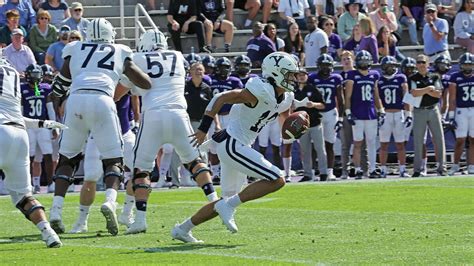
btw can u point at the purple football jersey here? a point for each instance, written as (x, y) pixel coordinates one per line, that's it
(445, 81)
(35, 106)
(362, 100)
(464, 89)
(246, 79)
(327, 87)
(391, 91)
(219, 86)
(123, 109)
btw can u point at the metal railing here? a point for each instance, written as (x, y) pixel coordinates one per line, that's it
(139, 28)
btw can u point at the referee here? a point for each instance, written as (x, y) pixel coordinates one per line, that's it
(428, 86)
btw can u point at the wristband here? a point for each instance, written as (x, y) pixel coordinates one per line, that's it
(206, 122)
(348, 112)
(451, 114)
(407, 113)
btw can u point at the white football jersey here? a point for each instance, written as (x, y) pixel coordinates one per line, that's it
(96, 66)
(166, 71)
(10, 96)
(246, 122)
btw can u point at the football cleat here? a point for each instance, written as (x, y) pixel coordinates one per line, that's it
(287, 179)
(108, 210)
(126, 219)
(454, 169)
(404, 174)
(139, 226)
(161, 182)
(359, 175)
(79, 228)
(226, 212)
(186, 237)
(331, 177)
(374, 174)
(56, 221)
(51, 238)
(36, 190)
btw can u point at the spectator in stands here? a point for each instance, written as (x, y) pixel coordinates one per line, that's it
(316, 42)
(386, 42)
(182, 17)
(369, 40)
(75, 35)
(58, 9)
(332, 8)
(54, 53)
(36, 4)
(349, 19)
(13, 18)
(270, 31)
(42, 35)
(412, 14)
(25, 10)
(393, 6)
(252, 6)
(446, 9)
(382, 16)
(259, 46)
(294, 41)
(435, 33)
(76, 21)
(294, 11)
(211, 13)
(19, 55)
(427, 115)
(464, 26)
(335, 43)
(353, 44)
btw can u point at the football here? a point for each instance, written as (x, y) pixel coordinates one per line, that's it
(295, 125)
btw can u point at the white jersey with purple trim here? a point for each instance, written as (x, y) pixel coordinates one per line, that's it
(246, 122)
(167, 73)
(10, 96)
(96, 66)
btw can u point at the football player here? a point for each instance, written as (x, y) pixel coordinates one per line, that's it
(209, 63)
(392, 87)
(48, 73)
(92, 70)
(221, 82)
(164, 120)
(34, 101)
(14, 156)
(242, 67)
(256, 105)
(441, 66)
(364, 110)
(461, 110)
(329, 85)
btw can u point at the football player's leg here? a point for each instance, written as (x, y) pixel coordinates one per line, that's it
(275, 140)
(329, 122)
(470, 168)
(263, 139)
(385, 132)
(165, 163)
(462, 121)
(46, 146)
(399, 137)
(214, 159)
(190, 156)
(286, 154)
(358, 138)
(126, 217)
(370, 132)
(346, 143)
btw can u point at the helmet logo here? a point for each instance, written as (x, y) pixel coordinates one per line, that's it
(277, 59)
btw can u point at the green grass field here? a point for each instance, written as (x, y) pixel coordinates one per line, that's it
(393, 221)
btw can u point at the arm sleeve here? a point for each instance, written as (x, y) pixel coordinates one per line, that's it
(459, 30)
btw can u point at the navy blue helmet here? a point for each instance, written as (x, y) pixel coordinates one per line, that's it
(442, 64)
(389, 65)
(193, 58)
(33, 73)
(466, 63)
(363, 60)
(325, 64)
(223, 68)
(48, 73)
(209, 61)
(408, 66)
(242, 64)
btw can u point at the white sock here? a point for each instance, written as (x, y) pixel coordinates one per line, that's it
(330, 171)
(212, 197)
(187, 225)
(248, 22)
(128, 204)
(43, 225)
(141, 216)
(358, 169)
(216, 170)
(83, 213)
(402, 168)
(424, 163)
(234, 201)
(111, 195)
(287, 165)
(384, 169)
(36, 181)
(58, 202)
(165, 163)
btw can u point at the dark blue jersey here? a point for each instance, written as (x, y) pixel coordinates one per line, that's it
(218, 86)
(391, 91)
(35, 106)
(362, 99)
(464, 89)
(327, 87)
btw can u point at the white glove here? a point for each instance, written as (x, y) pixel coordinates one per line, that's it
(302, 103)
(53, 124)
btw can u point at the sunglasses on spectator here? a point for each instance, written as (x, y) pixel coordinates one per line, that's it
(430, 11)
(74, 38)
(329, 24)
(421, 62)
(78, 10)
(44, 18)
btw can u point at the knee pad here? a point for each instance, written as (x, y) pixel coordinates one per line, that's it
(139, 175)
(22, 203)
(200, 170)
(70, 162)
(113, 167)
(193, 164)
(69, 179)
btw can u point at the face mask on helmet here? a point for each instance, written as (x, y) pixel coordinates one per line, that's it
(389, 70)
(325, 70)
(242, 69)
(222, 72)
(290, 79)
(442, 67)
(34, 76)
(466, 69)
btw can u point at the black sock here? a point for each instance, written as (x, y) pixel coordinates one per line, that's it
(141, 205)
(208, 188)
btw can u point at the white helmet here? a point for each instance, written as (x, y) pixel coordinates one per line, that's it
(280, 66)
(152, 40)
(100, 30)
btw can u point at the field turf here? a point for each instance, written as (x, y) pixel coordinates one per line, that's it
(428, 221)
